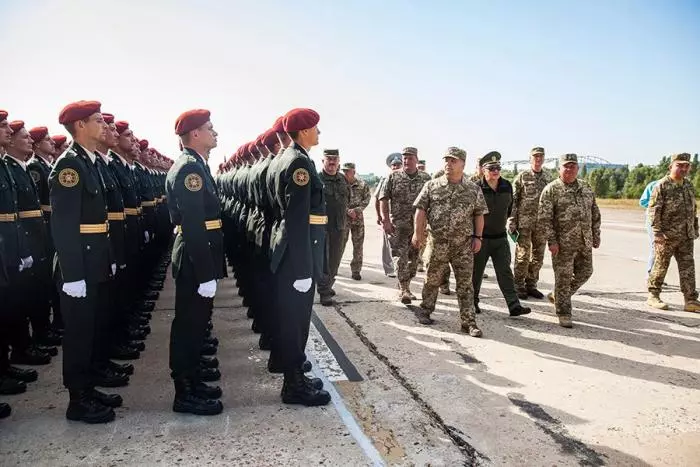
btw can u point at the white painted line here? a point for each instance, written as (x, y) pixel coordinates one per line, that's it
(322, 354)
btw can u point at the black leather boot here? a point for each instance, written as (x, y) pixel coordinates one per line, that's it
(208, 349)
(124, 368)
(208, 374)
(208, 362)
(208, 392)
(265, 342)
(211, 340)
(83, 407)
(5, 410)
(122, 352)
(20, 374)
(187, 400)
(107, 378)
(109, 400)
(10, 386)
(295, 390)
(31, 356)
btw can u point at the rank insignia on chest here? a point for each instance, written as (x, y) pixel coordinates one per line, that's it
(36, 176)
(193, 182)
(301, 177)
(68, 178)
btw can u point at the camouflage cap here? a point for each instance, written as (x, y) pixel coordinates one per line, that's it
(683, 158)
(421, 162)
(409, 151)
(349, 165)
(331, 153)
(455, 153)
(492, 158)
(568, 158)
(394, 158)
(537, 150)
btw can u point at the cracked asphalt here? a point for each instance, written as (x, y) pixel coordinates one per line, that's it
(620, 388)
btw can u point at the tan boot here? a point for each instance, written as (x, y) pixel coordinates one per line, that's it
(405, 297)
(471, 329)
(550, 297)
(565, 321)
(655, 302)
(445, 289)
(692, 306)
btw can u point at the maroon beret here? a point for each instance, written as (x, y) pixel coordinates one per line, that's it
(122, 126)
(108, 118)
(143, 144)
(3, 115)
(250, 148)
(59, 139)
(259, 141)
(270, 138)
(16, 125)
(38, 133)
(191, 120)
(78, 111)
(278, 125)
(300, 119)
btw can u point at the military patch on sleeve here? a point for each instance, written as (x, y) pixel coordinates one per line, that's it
(301, 177)
(36, 176)
(68, 178)
(193, 182)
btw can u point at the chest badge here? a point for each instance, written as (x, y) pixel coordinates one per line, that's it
(36, 176)
(193, 182)
(68, 178)
(301, 177)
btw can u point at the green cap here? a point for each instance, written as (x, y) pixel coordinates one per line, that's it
(349, 165)
(537, 150)
(331, 152)
(492, 158)
(568, 158)
(421, 162)
(409, 151)
(682, 157)
(455, 153)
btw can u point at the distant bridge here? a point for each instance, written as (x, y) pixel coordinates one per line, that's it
(591, 162)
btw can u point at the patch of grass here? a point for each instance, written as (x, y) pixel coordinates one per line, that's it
(619, 203)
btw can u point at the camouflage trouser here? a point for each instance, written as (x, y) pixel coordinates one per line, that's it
(682, 250)
(405, 255)
(441, 254)
(529, 255)
(421, 253)
(572, 268)
(357, 232)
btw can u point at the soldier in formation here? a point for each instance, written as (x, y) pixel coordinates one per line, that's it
(570, 221)
(522, 224)
(674, 221)
(355, 229)
(455, 209)
(397, 196)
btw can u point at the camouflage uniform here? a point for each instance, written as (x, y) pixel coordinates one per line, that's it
(569, 216)
(673, 213)
(529, 251)
(450, 210)
(359, 200)
(401, 189)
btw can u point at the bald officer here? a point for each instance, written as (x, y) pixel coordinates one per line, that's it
(198, 260)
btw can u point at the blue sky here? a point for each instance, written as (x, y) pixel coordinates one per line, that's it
(618, 80)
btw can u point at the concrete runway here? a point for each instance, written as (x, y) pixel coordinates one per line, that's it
(620, 388)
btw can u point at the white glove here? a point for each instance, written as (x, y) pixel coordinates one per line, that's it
(146, 236)
(302, 285)
(510, 226)
(123, 266)
(75, 289)
(114, 269)
(207, 289)
(26, 263)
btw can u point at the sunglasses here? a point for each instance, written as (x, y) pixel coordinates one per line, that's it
(495, 168)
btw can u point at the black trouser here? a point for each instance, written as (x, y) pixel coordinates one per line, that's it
(119, 301)
(38, 300)
(265, 297)
(5, 330)
(84, 319)
(291, 319)
(192, 313)
(499, 251)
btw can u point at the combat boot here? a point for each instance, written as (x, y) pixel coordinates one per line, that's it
(423, 316)
(109, 400)
(520, 310)
(124, 368)
(20, 374)
(405, 297)
(692, 306)
(207, 392)
(534, 293)
(565, 321)
(208, 349)
(295, 390)
(31, 356)
(327, 300)
(655, 302)
(188, 401)
(315, 383)
(208, 362)
(265, 342)
(445, 289)
(5, 410)
(11, 386)
(550, 297)
(107, 378)
(85, 408)
(471, 329)
(356, 276)
(522, 294)
(208, 374)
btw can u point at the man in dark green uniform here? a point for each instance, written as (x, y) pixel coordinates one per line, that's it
(297, 242)
(337, 193)
(198, 260)
(498, 193)
(83, 264)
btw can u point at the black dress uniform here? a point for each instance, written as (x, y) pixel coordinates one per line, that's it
(297, 243)
(32, 284)
(197, 258)
(83, 253)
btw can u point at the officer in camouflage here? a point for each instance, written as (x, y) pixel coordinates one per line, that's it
(359, 200)
(454, 208)
(529, 250)
(674, 221)
(397, 196)
(570, 221)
